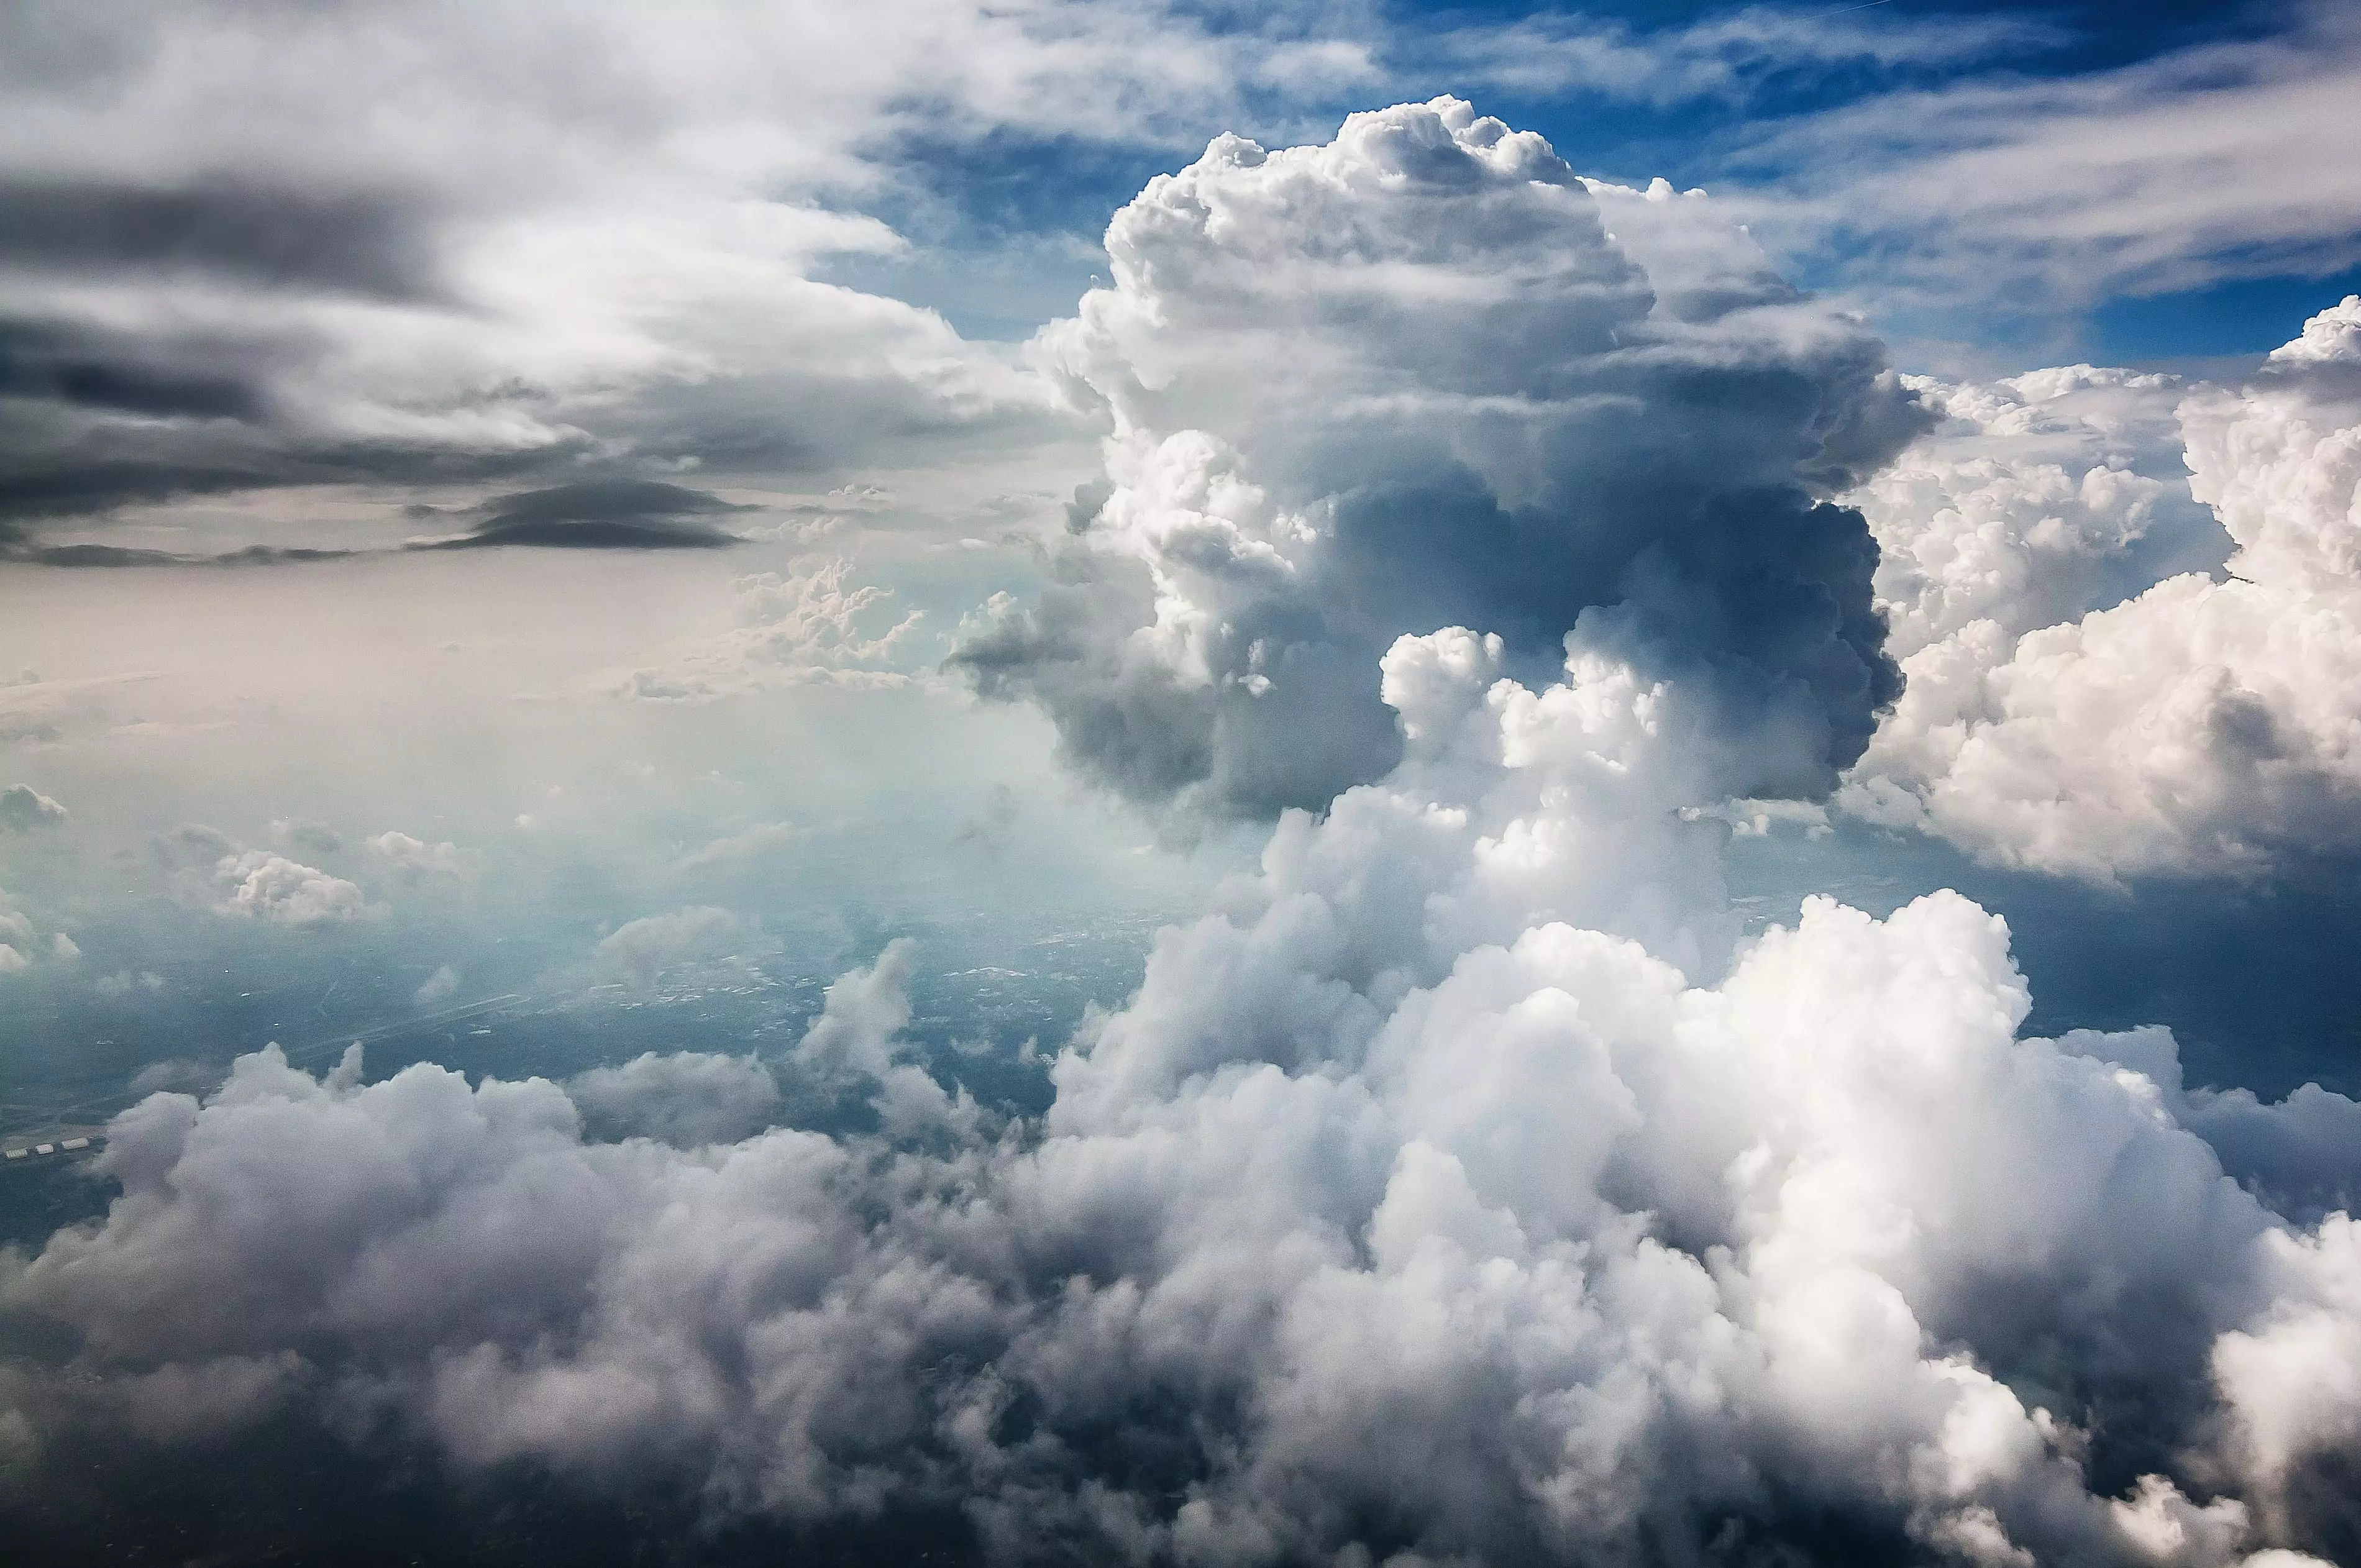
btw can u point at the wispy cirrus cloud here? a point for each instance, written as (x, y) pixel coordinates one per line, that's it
(2221, 160)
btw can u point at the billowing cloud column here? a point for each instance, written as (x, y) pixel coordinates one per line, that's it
(1408, 379)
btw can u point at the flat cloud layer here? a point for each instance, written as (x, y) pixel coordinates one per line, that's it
(1410, 379)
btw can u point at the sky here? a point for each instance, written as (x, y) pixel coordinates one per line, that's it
(1181, 783)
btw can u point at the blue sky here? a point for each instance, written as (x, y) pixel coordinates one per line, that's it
(1675, 91)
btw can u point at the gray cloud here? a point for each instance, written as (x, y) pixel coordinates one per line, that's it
(600, 514)
(23, 808)
(374, 244)
(687, 1099)
(221, 279)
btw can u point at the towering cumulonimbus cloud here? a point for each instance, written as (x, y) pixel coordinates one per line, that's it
(2205, 725)
(1456, 1188)
(1410, 379)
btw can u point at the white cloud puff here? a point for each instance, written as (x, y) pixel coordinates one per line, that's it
(266, 886)
(415, 859)
(2206, 726)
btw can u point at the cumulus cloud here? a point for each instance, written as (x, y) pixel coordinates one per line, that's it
(1461, 1185)
(687, 1099)
(24, 808)
(860, 1025)
(1411, 1209)
(127, 983)
(22, 943)
(1414, 378)
(2204, 726)
(2038, 498)
(266, 886)
(415, 859)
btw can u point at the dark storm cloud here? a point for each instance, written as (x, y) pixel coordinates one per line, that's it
(373, 244)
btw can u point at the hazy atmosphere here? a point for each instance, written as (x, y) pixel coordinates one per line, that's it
(1119, 781)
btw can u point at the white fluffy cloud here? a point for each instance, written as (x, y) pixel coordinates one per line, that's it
(1411, 1206)
(415, 859)
(1415, 378)
(261, 885)
(2205, 725)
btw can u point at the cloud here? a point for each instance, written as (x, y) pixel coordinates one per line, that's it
(266, 886)
(414, 859)
(313, 838)
(124, 982)
(643, 950)
(859, 1028)
(688, 1099)
(370, 245)
(22, 943)
(1412, 1207)
(438, 987)
(807, 626)
(606, 514)
(220, 281)
(1419, 377)
(1732, 56)
(2201, 727)
(24, 808)
(192, 844)
(762, 838)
